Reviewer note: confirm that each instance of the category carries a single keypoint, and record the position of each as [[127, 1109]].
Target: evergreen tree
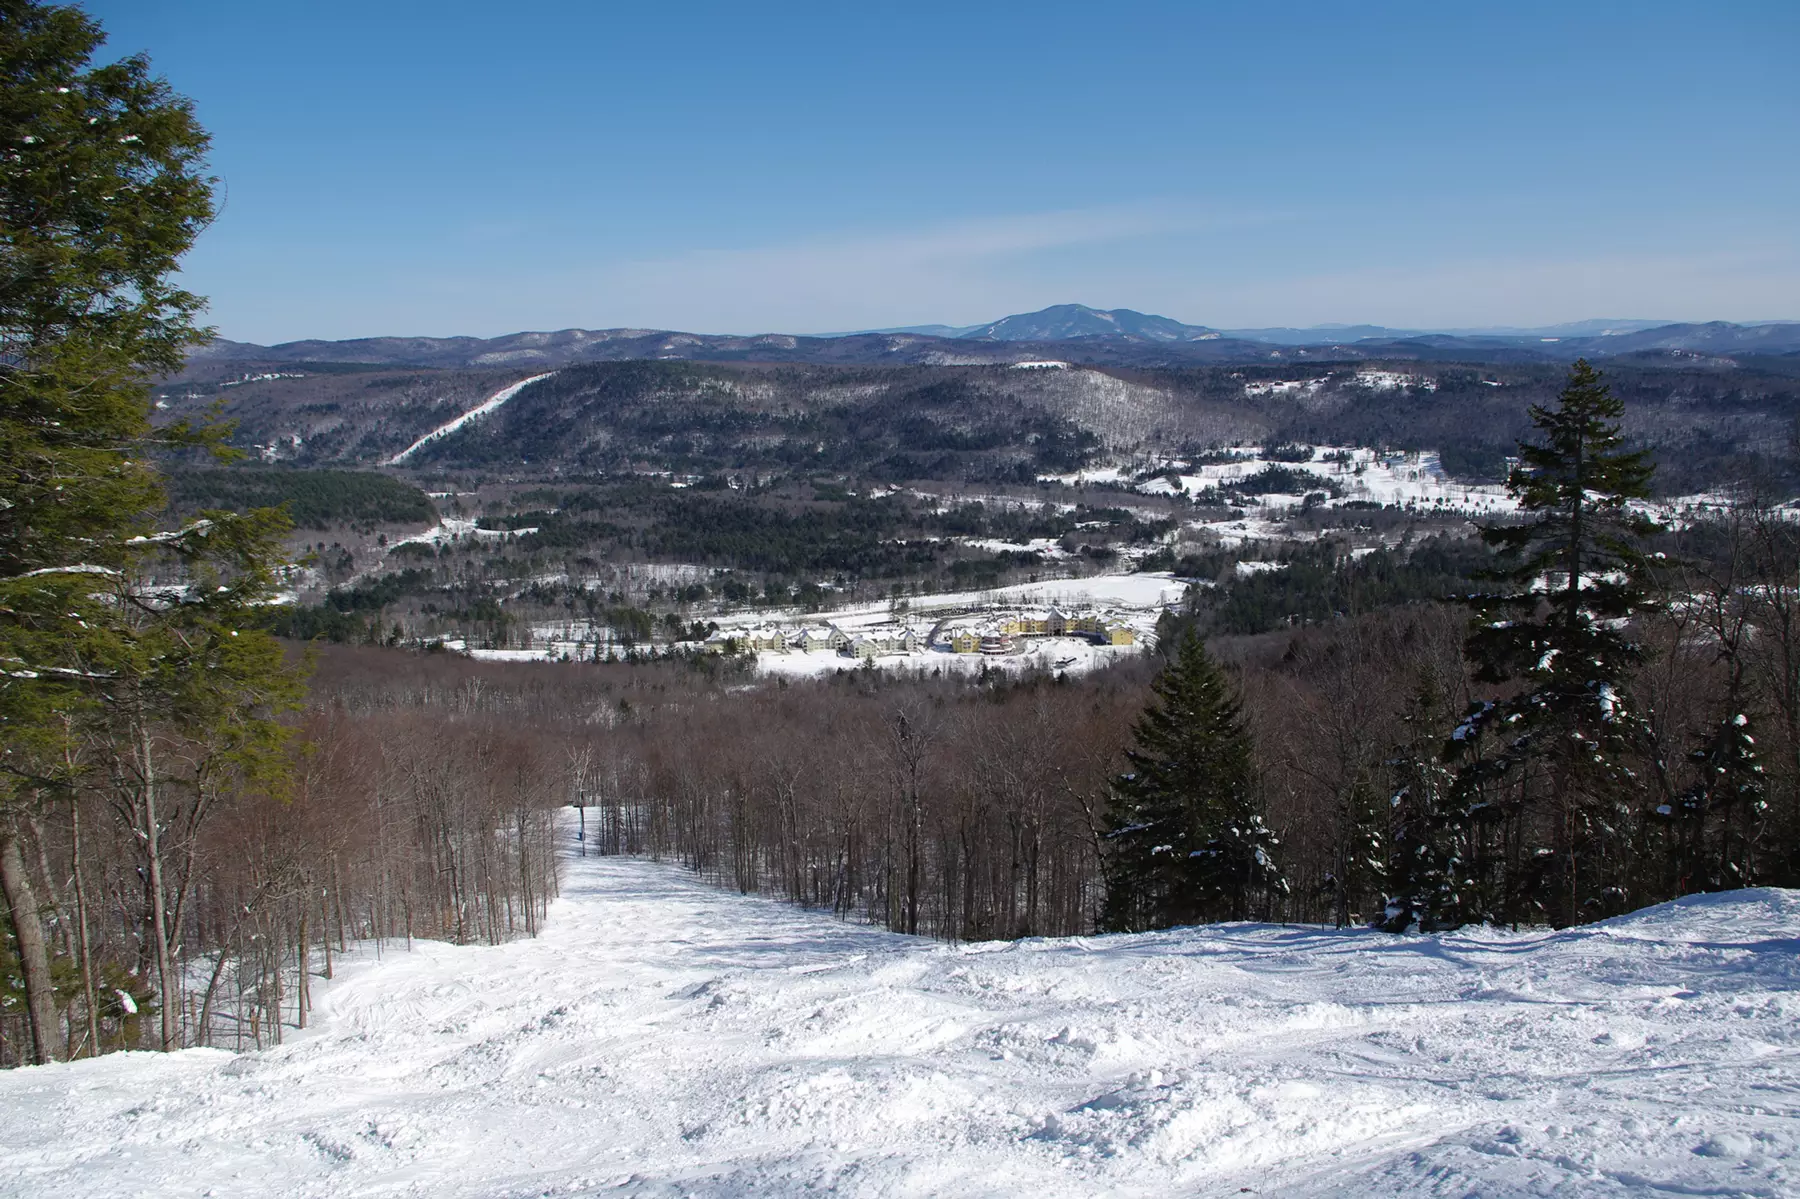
[[1542, 772], [1719, 819], [1714, 828], [1426, 862], [1185, 839], [1361, 861], [1174, 625], [102, 190]]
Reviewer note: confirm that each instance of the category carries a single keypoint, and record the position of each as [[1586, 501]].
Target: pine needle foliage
[[1719, 820], [118, 637], [1543, 766], [1185, 839], [1427, 863]]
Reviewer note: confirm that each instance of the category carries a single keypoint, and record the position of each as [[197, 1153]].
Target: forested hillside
[[313, 499], [641, 500], [970, 423]]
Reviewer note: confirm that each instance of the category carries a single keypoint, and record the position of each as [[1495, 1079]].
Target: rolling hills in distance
[[965, 420], [469, 490], [1073, 332], [897, 405]]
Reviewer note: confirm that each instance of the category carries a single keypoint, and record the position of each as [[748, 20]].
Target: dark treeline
[[700, 417], [314, 499]]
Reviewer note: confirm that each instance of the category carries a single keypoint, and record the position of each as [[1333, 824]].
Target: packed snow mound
[[665, 1038], [1741, 916]]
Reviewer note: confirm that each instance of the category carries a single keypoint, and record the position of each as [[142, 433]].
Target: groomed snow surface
[[665, 1038]]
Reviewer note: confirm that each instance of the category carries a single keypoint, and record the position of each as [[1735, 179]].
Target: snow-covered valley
[[662, 1037]]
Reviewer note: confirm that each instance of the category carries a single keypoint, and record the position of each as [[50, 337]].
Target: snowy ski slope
[[664, 1038], [480, 410]]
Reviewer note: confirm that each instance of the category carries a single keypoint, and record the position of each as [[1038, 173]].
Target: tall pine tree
[[1541, 778], [1185, 838], [102, 190]]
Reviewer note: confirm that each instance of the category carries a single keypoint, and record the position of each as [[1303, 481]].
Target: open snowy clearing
[[1033, 655], [1405, 480], [665, 1038]]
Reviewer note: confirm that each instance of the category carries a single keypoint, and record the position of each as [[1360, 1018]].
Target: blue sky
[[393, 167]]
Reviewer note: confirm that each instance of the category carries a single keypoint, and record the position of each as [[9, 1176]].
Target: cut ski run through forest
[[662, 1037]]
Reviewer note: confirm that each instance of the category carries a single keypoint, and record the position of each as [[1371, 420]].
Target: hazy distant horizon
[[1492, 330]]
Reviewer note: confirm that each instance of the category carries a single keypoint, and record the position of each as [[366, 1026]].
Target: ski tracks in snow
[[664, 1038]]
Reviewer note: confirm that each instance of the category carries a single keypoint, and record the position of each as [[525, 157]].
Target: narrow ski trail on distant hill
[[480, 410], [665, 1038]]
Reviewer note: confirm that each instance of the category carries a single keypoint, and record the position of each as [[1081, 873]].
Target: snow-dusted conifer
[[1719, 819], [1427, 842], [1185, 839], [1541, 771], [102, 188], [1361, 861]]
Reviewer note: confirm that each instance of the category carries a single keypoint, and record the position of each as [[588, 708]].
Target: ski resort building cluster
[[984, 632], [1000, 633], [818, 639]]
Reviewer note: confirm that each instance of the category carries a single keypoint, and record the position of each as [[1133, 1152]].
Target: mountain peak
[[1060, 322]]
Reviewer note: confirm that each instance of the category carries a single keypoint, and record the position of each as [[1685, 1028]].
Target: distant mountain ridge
[[1107, 337], [1066, 322], [1063, 322], [1330, 334]]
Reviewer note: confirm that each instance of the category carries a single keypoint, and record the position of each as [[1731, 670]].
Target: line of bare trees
[[394, 824], [923, 804]]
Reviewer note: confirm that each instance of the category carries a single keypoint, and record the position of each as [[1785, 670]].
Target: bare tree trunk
[[204, 1023], [303, 988], [51, 897], [81, 931], [150, 831], [34, 956]]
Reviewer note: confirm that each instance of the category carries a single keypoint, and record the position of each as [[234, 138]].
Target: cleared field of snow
[[1048, 655], [1402, 480], [663, 1038], [449, 529]]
